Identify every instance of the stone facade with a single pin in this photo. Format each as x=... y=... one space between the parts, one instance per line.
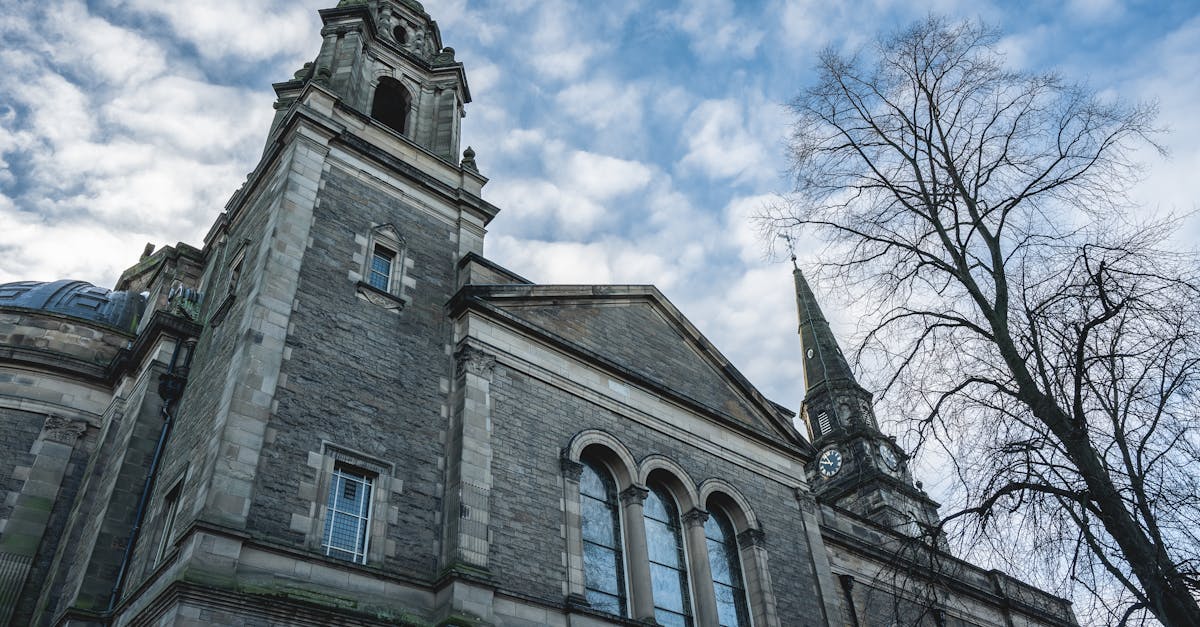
x=338 y=412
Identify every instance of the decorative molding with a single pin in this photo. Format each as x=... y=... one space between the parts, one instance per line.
x=378 y=297
x=634 y=495
x=474 y=361
x=62 y=430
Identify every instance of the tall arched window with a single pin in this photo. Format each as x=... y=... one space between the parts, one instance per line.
x=391 y=104
x=603 y=572
x=727 y=576
x=668 y=567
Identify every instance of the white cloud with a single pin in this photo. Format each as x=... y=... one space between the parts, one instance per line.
x=1096 y=9
x=573 y=203
x=603 y=177
x=1167 y=74
x=195 y=116
x=604 y=105
x=601 y=262
x=60 y=113
x=720 y=144
x=112 y=55
x=740 y=229
x=237 y=28
x=559 y=48
x=715 y=31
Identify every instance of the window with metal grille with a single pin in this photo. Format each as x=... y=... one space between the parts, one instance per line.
x=348 y=516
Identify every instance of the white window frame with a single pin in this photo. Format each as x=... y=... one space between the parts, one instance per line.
x=386 y=239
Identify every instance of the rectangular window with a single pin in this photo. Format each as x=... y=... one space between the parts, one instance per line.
x=381 y=268
x=348 y=516
x=170 y=512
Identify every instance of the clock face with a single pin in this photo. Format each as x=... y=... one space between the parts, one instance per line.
x=830 y=462
x=889 y=457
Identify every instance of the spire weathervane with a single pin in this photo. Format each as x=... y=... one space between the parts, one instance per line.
x=791 y=247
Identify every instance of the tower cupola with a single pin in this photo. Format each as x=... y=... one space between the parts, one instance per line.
x=385 y=59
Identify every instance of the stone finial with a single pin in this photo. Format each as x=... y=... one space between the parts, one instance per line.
x=303 y=73
x=445 y=57
x=468 y=159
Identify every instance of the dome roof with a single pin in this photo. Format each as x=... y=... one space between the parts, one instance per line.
x=77 y=299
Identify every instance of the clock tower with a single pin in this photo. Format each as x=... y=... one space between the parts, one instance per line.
x=857 y=467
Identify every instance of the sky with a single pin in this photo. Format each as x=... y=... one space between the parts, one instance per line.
x=626 y=142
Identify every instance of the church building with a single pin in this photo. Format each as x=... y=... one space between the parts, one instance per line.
x=335 y=410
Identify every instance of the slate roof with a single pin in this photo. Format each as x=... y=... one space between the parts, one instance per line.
x=636 y=331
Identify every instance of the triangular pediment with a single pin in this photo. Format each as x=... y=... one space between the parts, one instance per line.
x=637 y=332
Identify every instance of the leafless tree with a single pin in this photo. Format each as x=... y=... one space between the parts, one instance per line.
x=1049 y=341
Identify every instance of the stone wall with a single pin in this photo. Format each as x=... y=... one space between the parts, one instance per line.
x=362 y=377
x=534 y=421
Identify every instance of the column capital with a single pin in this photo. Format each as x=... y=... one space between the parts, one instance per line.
x=806 y=500
x=475 y=361
x=751 y=538
x=62 y=430
x=695 y=517
x=571 y=469
x=634 y=495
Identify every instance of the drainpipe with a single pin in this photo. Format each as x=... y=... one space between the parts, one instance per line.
x=170 y=388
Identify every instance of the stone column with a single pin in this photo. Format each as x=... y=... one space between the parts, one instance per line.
x=758 y=578
x=641 y=596
x=572 y=512
x=699 y=568
x=827 y=588
x=469 y=489
x=26 y=527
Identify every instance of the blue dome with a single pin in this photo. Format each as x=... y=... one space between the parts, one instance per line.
x=77 y=299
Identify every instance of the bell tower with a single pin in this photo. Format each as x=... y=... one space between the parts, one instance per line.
x=385 y=59
x=857 y=467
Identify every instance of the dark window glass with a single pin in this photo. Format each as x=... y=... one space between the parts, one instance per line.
x=381 y=268
x=668 y=576
x=391 y=104
x=603 y=574
x=727 y=576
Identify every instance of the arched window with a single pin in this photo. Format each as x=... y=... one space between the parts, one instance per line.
x=391 y=104
x=668 y=566
x=723 y=560
x=604 y=575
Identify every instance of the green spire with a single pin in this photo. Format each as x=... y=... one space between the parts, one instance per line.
x=824 y=363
